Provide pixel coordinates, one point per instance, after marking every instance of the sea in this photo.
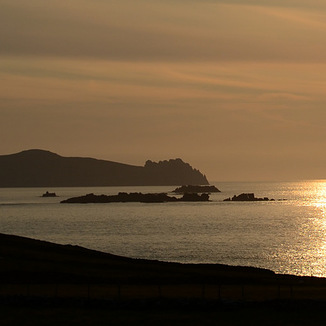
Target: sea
(287, 235)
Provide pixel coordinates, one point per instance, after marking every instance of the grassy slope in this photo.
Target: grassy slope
(29, 260)
(26, 261)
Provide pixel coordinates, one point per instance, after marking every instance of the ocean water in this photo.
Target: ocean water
(287, 235)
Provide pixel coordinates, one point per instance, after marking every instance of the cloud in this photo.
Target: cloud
(310, 4)
(224, 84)
(157, 31)
(138, 88)
(311, 20)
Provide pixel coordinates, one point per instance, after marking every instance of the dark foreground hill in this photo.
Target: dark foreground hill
(25, 260)
(29, 261)
(42, 283)
(39, 168)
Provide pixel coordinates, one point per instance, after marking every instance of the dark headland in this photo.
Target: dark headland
(39, 168)
(43, 283)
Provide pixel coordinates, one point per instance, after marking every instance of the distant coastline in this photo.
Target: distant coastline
(40, 168)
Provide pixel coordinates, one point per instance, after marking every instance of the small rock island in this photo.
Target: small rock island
(49, 194)
(195, 189)
(124, 197)
(247, 197)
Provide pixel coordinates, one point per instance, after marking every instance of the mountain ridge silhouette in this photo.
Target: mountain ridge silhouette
(42, 168)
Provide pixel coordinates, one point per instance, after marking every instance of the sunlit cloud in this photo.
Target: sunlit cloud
(156, 31)
(306, 4)
(103, 80)
(218, 81)
(307, 19)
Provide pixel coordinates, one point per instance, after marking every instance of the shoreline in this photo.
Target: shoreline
(28, 261)
(50, 284)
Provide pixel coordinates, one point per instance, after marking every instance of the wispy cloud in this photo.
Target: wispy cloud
(178, 77)
(148, 82)
(156, 31)
(307, 4)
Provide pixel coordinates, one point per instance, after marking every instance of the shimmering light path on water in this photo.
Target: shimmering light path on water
(287, 236)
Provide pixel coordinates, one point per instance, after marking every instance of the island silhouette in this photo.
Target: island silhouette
(40, 168)
(123, 197)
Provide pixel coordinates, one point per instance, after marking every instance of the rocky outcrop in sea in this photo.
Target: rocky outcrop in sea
(123, 197)
(247, 197)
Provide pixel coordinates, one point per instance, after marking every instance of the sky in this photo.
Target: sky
(235, 88)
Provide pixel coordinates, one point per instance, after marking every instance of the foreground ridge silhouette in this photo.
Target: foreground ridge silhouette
(51, 284)
(49, 268)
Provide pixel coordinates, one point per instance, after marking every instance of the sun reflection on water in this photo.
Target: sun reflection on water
(287, 236)
(314, 230)
(314, 194)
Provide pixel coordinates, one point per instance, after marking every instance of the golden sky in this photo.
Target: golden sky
(235, 88)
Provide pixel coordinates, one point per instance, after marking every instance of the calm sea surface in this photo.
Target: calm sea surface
(286, 236)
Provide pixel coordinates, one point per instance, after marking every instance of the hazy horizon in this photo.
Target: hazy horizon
(234, 88)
